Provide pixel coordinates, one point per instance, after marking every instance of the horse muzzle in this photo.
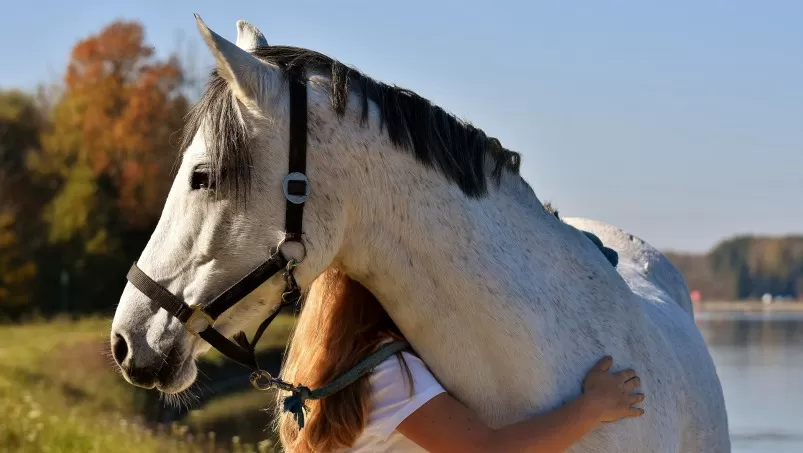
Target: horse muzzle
(143, 367)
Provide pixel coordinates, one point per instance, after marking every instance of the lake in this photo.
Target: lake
(759, 359)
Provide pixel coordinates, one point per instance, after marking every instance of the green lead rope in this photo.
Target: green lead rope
(294, 403)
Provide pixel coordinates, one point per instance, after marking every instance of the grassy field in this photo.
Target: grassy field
(60, 393)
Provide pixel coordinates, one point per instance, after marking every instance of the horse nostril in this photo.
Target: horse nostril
(141, 375)
(119, 349)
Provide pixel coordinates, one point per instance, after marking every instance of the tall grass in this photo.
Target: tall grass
(60, 393)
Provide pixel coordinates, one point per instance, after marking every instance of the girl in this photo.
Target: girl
(400, 407)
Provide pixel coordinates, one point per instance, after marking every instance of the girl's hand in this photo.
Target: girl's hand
(609, 395)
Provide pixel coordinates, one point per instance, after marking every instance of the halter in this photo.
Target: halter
(199, 319)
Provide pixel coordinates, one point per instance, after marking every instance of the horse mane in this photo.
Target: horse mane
(436, 138)
(552, 209)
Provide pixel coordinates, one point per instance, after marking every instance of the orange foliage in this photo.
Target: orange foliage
(119, 110)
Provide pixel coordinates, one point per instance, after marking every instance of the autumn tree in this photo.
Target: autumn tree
(20, 125)
(19, 134)
(108, 150)
(114, 123)
(16, 272)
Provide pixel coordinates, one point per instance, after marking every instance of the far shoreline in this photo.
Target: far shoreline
(748, 306)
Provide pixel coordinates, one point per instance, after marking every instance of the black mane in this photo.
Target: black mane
(437, 139)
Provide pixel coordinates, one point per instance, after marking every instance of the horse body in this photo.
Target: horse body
(508, 305)
(661, 292)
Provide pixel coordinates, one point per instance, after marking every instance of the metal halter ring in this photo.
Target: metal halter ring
(288, 271)
(261, 380)
(296, 198)
(298, 260)
(291, 265)
(198, 314)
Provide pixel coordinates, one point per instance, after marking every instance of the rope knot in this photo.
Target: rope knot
(294, 403)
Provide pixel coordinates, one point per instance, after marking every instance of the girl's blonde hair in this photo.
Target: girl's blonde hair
(340, 324)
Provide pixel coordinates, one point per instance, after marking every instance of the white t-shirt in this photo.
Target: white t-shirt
(391, 402)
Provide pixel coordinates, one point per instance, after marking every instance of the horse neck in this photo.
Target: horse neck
(399, 211)
(447, 267)
(450, 269)
(414, 227)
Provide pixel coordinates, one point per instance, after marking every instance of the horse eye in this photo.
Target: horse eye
(200, 180)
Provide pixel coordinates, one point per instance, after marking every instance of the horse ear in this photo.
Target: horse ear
(248, 77)
(249, 37)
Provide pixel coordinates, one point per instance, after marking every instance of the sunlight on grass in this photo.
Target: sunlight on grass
(60, 393)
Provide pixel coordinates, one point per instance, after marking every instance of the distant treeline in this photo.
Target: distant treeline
(84, 171)
(745, 267)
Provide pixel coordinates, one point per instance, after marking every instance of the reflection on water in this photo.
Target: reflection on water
(759, 359)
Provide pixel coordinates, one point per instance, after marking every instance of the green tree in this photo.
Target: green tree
(20, 126)
(16, 273)
(746, 267)
(107, 149)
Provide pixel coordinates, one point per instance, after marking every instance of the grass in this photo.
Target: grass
(60, 393)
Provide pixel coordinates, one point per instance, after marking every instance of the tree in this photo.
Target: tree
(20, 125)
(16, 273)
(746, 267)
(107, 151)
(119, 109)
(19, 132)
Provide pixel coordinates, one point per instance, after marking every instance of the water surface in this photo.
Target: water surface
(759, 359)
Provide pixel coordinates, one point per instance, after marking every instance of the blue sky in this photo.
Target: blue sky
(681, 122)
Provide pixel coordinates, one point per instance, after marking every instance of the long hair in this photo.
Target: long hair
(340, 324)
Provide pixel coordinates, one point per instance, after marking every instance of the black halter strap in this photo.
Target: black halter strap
(297, 186)
(199, 319)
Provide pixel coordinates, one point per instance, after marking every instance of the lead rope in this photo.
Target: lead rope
(299, 394)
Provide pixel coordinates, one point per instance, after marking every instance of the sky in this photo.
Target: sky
(681, 122)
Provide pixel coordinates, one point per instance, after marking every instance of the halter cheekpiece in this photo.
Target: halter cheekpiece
(199, 319)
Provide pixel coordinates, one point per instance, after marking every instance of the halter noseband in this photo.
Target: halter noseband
(198, 319)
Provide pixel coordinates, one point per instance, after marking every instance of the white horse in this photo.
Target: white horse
(508, 305)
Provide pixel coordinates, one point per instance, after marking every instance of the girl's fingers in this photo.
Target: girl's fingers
(605, 363)
(635, 398)
(626, 374)
(632, 384)
(634, 412)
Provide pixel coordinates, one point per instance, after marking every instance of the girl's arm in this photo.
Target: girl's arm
(445, 425)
